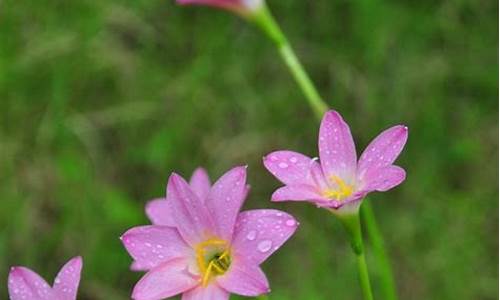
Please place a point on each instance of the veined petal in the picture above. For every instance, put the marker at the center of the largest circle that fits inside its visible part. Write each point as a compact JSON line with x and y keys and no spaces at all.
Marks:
{"x":244,"y":278}
{"x":383,"y":150}
{"x":159,"y":212}
{"x":200,"y":183}
{"x":337,"y":152}
{"x":225,"y":200}
{"x":25,"y":284}
{"x":290,"y":167}
{"x":166,"y":280}
{"x":211,"y":292}
{"x":152,"y":245}
{"x":259,"y":233}
{"x":383,"y":179}
{"x":191,"y":216}
{"x":299,"y":192}
{"x":68,"y":279}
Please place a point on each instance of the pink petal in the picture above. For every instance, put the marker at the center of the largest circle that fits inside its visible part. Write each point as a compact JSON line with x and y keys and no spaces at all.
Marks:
{"x":68,"y":279}
{"x":258,"y":233}
{"x":159,"y":212}
{"x":210,"y":292}
{"x":191,"y":215}
{"x":225,"y":200}
{"x":317,"y":177}
{"x":300,"y":192}
{"x":383,"y":179}
{"x":236,"y":5}
{"x":383,"y":150}
{"x":200,"y":183}
{"x":244,"y":278}
{"x":25,"y":284}
{"x":166,"y":280}
{"x":337,"y":152}
{"x":290,"y":167}
{"x":152,"y":245}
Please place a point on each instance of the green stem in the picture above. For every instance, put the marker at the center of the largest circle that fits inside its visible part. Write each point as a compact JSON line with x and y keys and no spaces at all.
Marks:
{"x":266,"y":22}
{"x":352,"y":225}
{"x":383,"y":264}
{"x":264,"y":19}
{"x":364,"y":278}
{"x":263,"y":297}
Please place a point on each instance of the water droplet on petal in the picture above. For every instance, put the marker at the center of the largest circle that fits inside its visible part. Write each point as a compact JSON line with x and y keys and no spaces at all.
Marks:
{"x":283,"y":165}
{"x":264,"y":246}
{"x":252,"y":235}
{"x":290,"y":222}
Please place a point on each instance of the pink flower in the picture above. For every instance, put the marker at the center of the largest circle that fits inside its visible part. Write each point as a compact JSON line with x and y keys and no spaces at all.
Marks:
{"x":25,"y":284}
{"x":242,"y":7}
{"x":158,"y":210}
{"x":338,"y":179}
{"x":212,"y":249}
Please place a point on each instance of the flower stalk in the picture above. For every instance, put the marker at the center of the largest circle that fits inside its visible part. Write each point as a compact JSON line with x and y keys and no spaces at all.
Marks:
{"x":266,"y":22}
{"x":352,"y":225}
{"x":387,"y":283}
{"x":264,"y":19}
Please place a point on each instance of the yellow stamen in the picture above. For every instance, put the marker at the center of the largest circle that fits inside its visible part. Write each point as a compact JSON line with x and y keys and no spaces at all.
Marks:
{"x":342,"y":191}
{"x":206,"y":276}
{"x":217,"y":268}
{"x":213,"y":258}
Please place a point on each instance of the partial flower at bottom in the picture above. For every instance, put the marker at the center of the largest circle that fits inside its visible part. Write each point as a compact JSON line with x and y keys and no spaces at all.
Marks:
{"x":25,"y":284}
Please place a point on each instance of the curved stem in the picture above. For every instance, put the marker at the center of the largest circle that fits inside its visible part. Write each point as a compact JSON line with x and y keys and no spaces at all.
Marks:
{"x":266,"y":22}
{"x":264,"y":19}
{"x":303,"y":80}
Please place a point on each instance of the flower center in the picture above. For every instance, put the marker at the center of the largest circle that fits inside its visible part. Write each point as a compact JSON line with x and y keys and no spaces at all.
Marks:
{"x":213,"y":257}
{"x":340,"y":192}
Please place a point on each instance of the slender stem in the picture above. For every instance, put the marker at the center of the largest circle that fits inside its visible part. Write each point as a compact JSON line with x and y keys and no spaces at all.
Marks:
{"x":383,"y":264}
{"x":364,"y":278}
{"x":352,"y":225}
{"x":264,"y":19}
{"x":266,"y":22}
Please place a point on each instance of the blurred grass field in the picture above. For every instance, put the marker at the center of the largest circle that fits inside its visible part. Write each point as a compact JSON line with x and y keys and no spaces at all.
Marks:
{"x":101,"y":100}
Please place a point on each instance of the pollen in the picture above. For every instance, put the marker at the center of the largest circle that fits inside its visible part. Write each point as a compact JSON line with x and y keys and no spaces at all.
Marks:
{"x":341,"y":190}
{"x":213,"y":257}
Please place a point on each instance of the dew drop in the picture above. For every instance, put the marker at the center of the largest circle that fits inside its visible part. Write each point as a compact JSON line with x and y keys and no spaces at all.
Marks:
{"x":290,"y":222}
{"x":283,"y":165}
{"x":252,"y":235}
{"x":264,"y":246}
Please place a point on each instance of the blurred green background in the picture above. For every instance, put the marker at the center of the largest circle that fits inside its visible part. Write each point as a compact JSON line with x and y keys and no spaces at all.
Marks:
{"x":101,"y":100}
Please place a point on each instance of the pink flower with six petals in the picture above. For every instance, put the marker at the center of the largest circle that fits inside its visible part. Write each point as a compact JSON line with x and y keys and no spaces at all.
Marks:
{"x":25,"y":284}
{"x":211,"y":249}
{"x":338,"y":180}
